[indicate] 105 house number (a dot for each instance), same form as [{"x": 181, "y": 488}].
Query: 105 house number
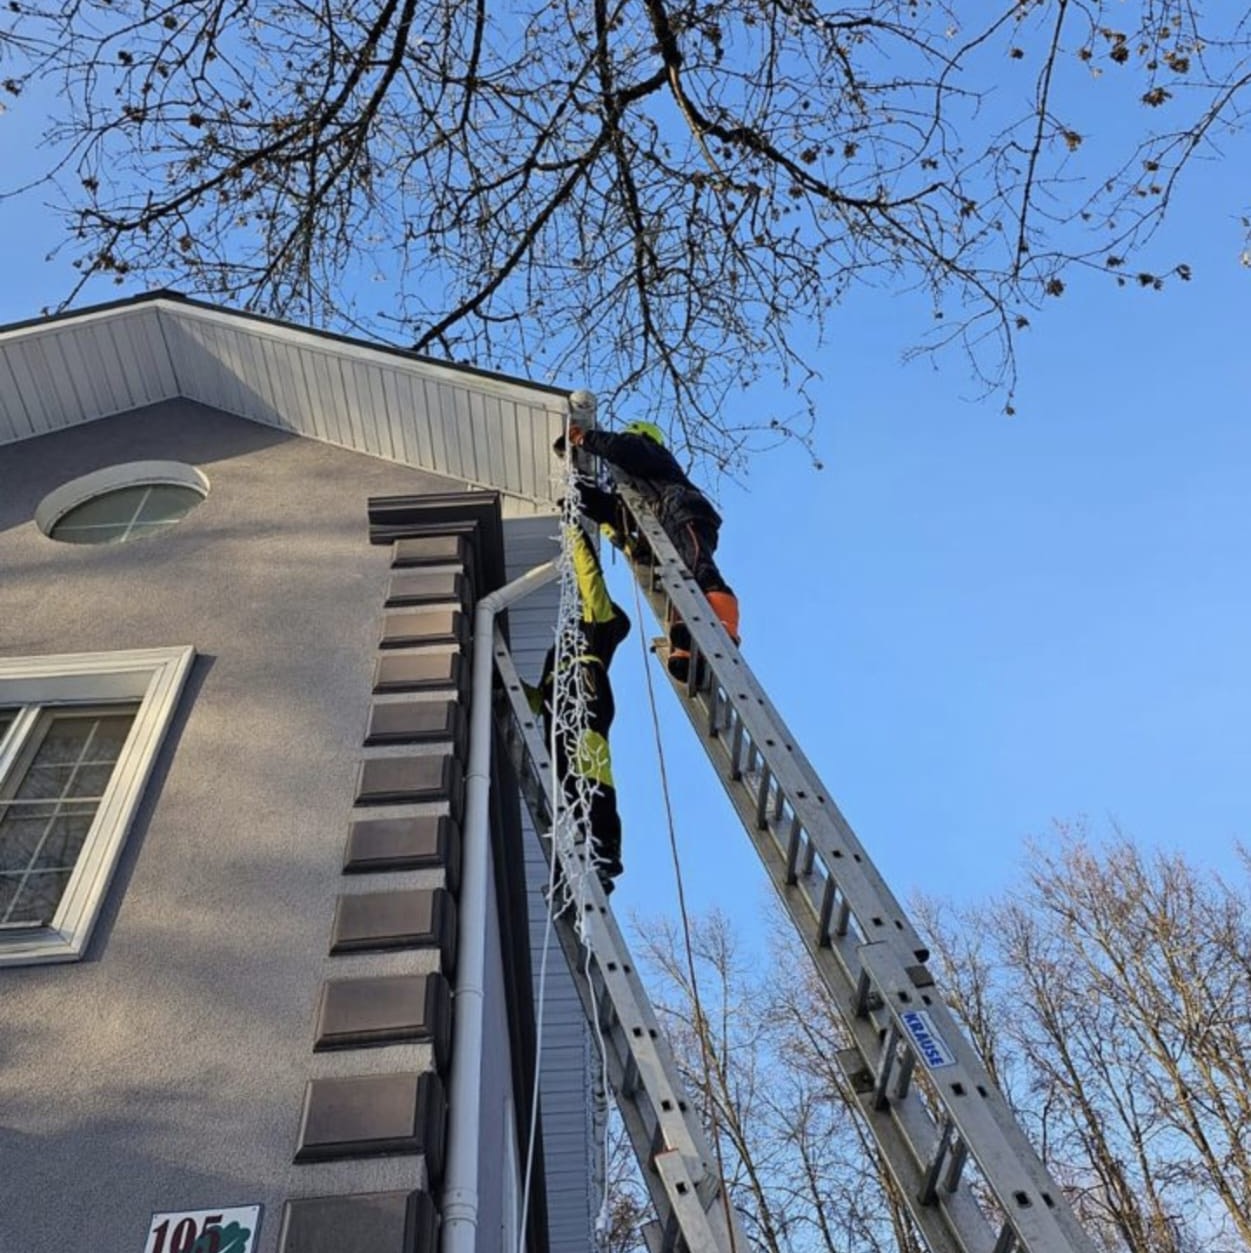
[{"x": 204, "y": 1231}]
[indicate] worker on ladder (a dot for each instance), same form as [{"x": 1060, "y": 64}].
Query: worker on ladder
[
  {"x": 583, "y": 762},
  {"x": 638, "y": 452}
]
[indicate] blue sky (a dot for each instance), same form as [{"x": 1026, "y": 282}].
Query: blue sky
[{"x": 974, "y": 624}]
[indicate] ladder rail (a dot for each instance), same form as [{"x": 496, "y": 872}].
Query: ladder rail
[
  {"x": 769, "y": 740},
  {"x": 866, "y": 951},
  {"x": 662, "y": 1123}
]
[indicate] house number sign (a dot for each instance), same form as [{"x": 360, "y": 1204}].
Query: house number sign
[{"x": 222, "y": 1230}]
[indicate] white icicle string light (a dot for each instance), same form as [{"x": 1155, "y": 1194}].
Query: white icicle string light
[
  {"x": 573, "y": 797},
  {"x": 571, "y": 820}
]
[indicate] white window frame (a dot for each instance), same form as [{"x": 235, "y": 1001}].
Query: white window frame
[
  {"x": 87, "y": 487},
  {"x": 152, "y": 676}
]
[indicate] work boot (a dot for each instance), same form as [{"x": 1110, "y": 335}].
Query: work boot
[
  {"x": 608, "y": 871},
  {"x": 725, "y": 606},
  {"x": 679, "y": 633},
  {"x": 679, "y": 667},
  {"x": 679, "y": 663}
]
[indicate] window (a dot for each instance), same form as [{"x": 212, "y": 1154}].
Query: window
[
  {"x": 79, "y": 734},
  {"x": 125, "y": 514},
  {"x": 48, "y": 802},
  {"x": 122, "y": 503}
]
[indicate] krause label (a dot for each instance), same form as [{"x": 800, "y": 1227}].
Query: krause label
[{"x": 932, "y": 1047}]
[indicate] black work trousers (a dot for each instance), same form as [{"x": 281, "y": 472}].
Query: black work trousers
[{"x": 696, "y": 541}]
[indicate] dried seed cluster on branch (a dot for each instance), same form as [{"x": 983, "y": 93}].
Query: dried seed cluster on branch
[{"x": 659, "y": 199}]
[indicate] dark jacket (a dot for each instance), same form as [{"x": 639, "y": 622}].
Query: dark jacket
[{"x": 652, "y": 469}]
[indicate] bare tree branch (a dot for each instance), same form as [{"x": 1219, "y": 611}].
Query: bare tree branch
[{"x": 660, "y": 199}]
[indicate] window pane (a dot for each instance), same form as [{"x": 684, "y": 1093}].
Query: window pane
[
  {"x": 90, "y": 781},
  {"x": 32, "y": 898},
  {"x": 7, "y": 717},
  {"x": 91, "y": 534},
  {"x": 63, "y": 841},
  {"x": 73, "y": 737},
  {"x": 44, "y": 825},
  {"x": 63, "y": 739},
  {"x": 110, "y": 734},
  {"x": 137, "y": 529},
  {"x": 45, "y": 783},
  {"x": 126, "y": 513},
  {"x": 117, "y": 507},
  {"x": 42, "y": 837},
  {"x": 21, "y": 830},
  {"x": 167, "y": 502}
]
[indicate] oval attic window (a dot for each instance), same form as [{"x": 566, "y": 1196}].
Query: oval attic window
[{"x": 121, "y": 503}]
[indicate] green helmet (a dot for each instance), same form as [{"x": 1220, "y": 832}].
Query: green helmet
[{"x": 650, "y": 429}]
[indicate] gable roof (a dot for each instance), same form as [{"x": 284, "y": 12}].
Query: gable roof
[{"x": 484, "y": 429}]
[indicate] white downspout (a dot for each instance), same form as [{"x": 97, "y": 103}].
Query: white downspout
[{"x": 460, "y": 1185}]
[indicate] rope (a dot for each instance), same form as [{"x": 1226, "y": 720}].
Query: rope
[{"x": 701, "y": 1024}]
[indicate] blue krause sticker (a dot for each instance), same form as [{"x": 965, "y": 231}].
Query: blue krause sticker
[{"x": 932, "y": 1047}]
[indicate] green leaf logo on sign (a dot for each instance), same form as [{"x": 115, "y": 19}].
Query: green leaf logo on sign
[{"x": 231, "y": 1239}]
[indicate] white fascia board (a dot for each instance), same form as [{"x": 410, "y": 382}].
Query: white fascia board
[{"x": 68, "y": 321}]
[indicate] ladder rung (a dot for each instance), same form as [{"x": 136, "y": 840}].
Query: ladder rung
[
  {"x": 713, "y": 706},
  {"x": 810, "y": 855},
  {"x": 844, "y": 918},
  {"x": 652, "y": 1237},
  {"x": 904, "y": 1078},
  {"x": 864, "y": 995},
  {"x": 762, "y": 798},
  {"x": 929, "y": 1189},
  {"x": 736, "y": 747},
  {"x": 792, "y": 850},
  {"x": 827, "y": 908},
  {"x": 1007, "y": 1239},
  {"x": 885, "y": 1065},
  {"x": 693, "y": 668},
  {"x": 629, "y": 1076},
  {"x": 955, "y": 1167}
]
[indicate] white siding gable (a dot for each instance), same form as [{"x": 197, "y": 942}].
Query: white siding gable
[{"x": 482, "y": 430}]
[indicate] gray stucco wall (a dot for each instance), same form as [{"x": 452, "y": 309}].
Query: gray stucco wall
[{"x": 166, "y": 1070}]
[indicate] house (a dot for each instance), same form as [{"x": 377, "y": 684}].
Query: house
[{"x": 238, "y": 563}]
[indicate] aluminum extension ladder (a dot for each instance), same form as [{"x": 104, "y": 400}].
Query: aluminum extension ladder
[
  {"x": 693, "y": 1212},
  {"x": 867, "y": 952}
]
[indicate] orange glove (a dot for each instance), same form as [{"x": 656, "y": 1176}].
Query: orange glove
[{"x": 575, "y": 434}]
